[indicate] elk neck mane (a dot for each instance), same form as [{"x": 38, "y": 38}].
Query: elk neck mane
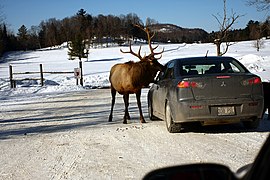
[{"x": 143, "y": 73}]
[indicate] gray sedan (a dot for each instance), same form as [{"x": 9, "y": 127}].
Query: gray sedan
[{"x": 209, "y": 90}]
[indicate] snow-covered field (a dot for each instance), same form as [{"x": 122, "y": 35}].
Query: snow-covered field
[
  {"x": 96, "y": 68},
  {"x": 60, "y": 131}
]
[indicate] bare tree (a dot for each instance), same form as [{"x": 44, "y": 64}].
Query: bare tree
[
  {"x": 225, "y": 24},
  {"x": 2, "y": 16},
  {"x": 260, "y": 4},
  {"x": 259, "y": 44},
  {"x": 33, "y": 33},
  {"x": 149, "y": 21}
]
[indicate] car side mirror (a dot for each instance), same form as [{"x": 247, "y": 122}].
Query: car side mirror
[
  {"x": 159, "y": 76},
  {"x": 192, "y": 172}
]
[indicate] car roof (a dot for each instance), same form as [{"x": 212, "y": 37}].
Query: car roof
[
  {"x": 216, "y": 58},
  {"x": 210, "y": 59}
]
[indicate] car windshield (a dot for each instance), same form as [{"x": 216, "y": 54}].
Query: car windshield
[{"x": 210, "y": 66}]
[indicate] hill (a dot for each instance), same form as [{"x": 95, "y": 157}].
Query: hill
[{"x": 176, "y": 34}]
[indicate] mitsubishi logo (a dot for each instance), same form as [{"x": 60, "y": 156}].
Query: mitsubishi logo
[{"x": 223, "y": 84}]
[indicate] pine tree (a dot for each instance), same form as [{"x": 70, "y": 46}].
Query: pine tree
[
  {"x": 2, "y": 47},
  {"x": 23, "y": 36},
  {"x": 77, "y": 48},
  {"x": 4, "y": 40}
]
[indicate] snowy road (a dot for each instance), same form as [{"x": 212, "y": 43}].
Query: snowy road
[{"x": 67, "y": 136}]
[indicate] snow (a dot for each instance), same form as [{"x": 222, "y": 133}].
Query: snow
[
  {"x": 60, "y": 130},
  {"x": 96, "y": 67}
]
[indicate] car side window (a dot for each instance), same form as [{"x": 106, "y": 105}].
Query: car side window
[
  {"x": 169, "y": 73},
  {"x": 235, "y": 69}
]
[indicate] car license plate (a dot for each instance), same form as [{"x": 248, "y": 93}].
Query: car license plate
[{"x": 226, "y": 111}]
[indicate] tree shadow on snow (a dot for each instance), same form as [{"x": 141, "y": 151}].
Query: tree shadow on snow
[
  {"x": 45, "y": 117},
  {"x": 104, "y": 60}
]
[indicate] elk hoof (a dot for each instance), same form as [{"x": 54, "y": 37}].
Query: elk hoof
[
  {"x": 125, "y": 122},
  {"x": 127, "y": 117},
  {"x": 143, "y": 121},
  {"x": 110, "y": 119}
]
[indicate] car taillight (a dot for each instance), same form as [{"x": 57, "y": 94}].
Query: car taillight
[
  {"x": 183, "y": 84},
  {"x": 251, "y": 81},
  {"x": 188, "y": 84}
]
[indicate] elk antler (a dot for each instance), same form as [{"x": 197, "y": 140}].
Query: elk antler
[
  {"x": 149, "y": 38},
  {"x": 151, "y": 56},
  {"x": 138, "y": 55}
]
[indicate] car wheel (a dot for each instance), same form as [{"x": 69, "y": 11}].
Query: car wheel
[
  {"x": 150, "y": 111},
  {"x": 171, "y": 126},
  {"x": 252, "y": 124}
]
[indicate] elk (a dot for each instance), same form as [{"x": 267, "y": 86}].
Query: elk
[{"x": 130, "y": 77}]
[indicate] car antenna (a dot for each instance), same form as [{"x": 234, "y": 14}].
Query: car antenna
[{"x": 206, "y": 53}]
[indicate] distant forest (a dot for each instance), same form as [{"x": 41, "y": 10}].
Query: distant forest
[{"x": 103, "y": 29}]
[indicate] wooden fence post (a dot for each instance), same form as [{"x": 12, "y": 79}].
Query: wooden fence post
[
  {"x": 41, "y": 75},
  {"x": 12, "y": 84},
  {"x": 13, "y": 79},
  {"x": 81, "y": 79}
]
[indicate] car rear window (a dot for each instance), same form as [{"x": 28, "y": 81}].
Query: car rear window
[{"x": 210, "y": 66}]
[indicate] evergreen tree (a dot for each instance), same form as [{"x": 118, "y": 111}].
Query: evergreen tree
[
  {"x": 83, "y": 22},
  {"x": 4, "y": 40},
  {"x": 77, "y": 48},
  {"x": 1, "y": 43},
  {"x": 41, "y": 35},
  {"x": 23, "y": 37}
]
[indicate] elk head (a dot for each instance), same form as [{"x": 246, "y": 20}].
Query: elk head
[{"x": 151, "y": 59}]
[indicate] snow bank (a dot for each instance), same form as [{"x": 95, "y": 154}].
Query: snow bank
[
  {"x": 253, "y": 62},
  {"x": 96, "y": 68}
]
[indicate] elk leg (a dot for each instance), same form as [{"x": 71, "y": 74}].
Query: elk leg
[
  {"x": 264, "y": 111},
  {"x": 126, "y": 101},
  {"x": 138, "y": 96},
  {"x": 268, "y": 117},
  {"x": 127, "y": 114},
  {"x": 113, "y": 92}
]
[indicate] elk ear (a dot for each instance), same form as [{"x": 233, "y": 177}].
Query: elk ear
[{"x": 151, "y": 63}]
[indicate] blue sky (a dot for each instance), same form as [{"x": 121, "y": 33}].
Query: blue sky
[{"x": 184, "y": 13}]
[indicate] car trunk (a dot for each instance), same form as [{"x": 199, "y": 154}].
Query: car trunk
[{"x": 219, "y": 87}]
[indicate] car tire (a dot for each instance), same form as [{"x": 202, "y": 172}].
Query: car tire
[
  {"x": 253, "y": 124},
  {"x": 171, "y": 126},
  {"x": 150, "y": 111}
]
